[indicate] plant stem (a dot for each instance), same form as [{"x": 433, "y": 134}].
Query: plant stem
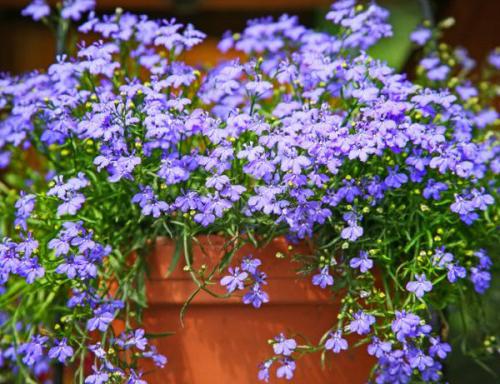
[{"x": 61, "y": 36}]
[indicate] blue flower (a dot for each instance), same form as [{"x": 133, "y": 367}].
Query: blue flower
[
  {"x": 287, "y": 369},
  {"x": 323, "y": 278},
  {"x": 263, "y": 373},
  {"x": 284, "y": 346},
  {"x": 362, "y": 262},
  {"x": 250, "y": 264},
  {"x": 100, "y": 321},
  {"x": 352, "y": 232},
  {"x": 361, "y": 323},
  {"x": 37, "y": 9},
  {"x": 336, "y": 343},
  {"x": 421, "y": 35},
  {"x": 256, "y": 296},
  {"x": 61, "y": 350},
  {"x": 420, "y": 286},
  {"x": 236, "y": 280},
  {"x": 379, "y": 348}
]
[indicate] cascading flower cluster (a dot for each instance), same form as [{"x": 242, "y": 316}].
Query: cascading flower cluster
[{"x": 308, "y": 136}]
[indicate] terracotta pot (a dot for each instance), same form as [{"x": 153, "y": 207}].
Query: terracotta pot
[{"x": 223, "y": 340}]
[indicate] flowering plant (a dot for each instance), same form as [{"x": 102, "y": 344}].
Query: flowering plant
[{"x": 306, "y": 136}]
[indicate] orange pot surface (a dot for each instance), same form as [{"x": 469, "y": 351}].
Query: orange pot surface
[{"x": 223, "y": 340}]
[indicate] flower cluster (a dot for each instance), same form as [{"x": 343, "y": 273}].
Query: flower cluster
[
  {"x": 248, "y": 271},
  {"x": 394, "y": 181}
]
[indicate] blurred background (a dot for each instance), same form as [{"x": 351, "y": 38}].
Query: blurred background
[{"x": 26, "y": 45}]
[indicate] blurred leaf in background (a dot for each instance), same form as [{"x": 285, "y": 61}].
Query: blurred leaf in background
[{"x": 405, "y": 15}]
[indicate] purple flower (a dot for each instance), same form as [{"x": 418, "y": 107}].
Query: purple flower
[
  {"x": 352, "y": 232},
  {"x": 439, "y": 348},
  {"x": 263, "y": 374},
  {"x": 481, "y": 279},
  {"x": 284, "y": 346},
  {"x": 335, "y": 342},
  {"x": 256, "y": 296},
  {"x": 24, "y": 206},
  {"x": 73, "y": 9},
  {"x": 60, "y": 246},
  {"x": 71, "y": 205},
  {"x": 481, "y": 200},
  {"x": 30, "y": 269},
  {"x": 395, "y": 179},
  {"x": 32, "y": 351},
  {"x": 421, "y": 35},
  {"x": 37, "y": 9},
  {"x": 135, "y": 378},
  {"x": 420, "y": 286},
  {"x": 362, "y": 262},
  {"x": 379, "y": 348},
  {"x": 361, "y": 323},
  {"x": 434, "y": 189},
  {"x": 100, "y": 321},
  {"x": 405, "y": 324},
  {"x": 418, "y": 359},
  {"x": 133, "y": 339},
  {"x": 158, "y": 359},
  {"x": 287, "y": 369},
  {"x": 97, "y": 377},
  {"x": 441, "y": 258},
  {"x": 61, "y": 350},
  {"x": 323, "y": 278},
  {"x": 236, "y": 280},
  {"x": 455, "y": 272},
  {"x": 494, "y": 58},
  {"x": 250, "y": 264}
]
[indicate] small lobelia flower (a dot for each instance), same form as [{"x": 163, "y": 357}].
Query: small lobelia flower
[
  {"x": 158, "y": 359},
  {"x": 434, "y": 189},
  {"x": 362, "y": 262},
  {"x": 287, "y": 368},
  {"x": 421, "y": 35},
  {"x": 335, "y": 342},
  {"x": 30, "y": 269},
  {"x": 250, "y": 264},
  {"x": 441, "y": 258},
  {"x": 323, "y": 278},
  {"x": 438, "y": 348},
  {"x": 32, "y": 351},
  {"x": 352, "y": 232},
  {"x": 135, "y": 378},
  {"x": 418, "y": 359},
  {"x": 284, "y": 346},
  {"x": 361, "y": 323},
  {"x": 420, "y": 286},
  {"x": 61, "y": 350},
  {"x": 24, "y": 206},
  {"x": 256, "y": 296},
  {"x": 455, "y": 272},
  {"x": 405, "y": 324},
  {"x": 100, "y": 321},
  {"x": 98, "y": 376},
  {"x": 236, "y": 279},
  {"x": 37, "y": 9},
  {"x": 133, "y": 339},
  {"x": 494, "y": 58},
  {"x": 263, "y": 373},
  {"x": 481, "y": 279},
  {"x": 379, "y": 348},
  {"x": 73, "y": 9},
  {"x": 395, "y": 179}
]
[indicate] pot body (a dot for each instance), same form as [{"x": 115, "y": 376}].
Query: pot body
[{"x": 222, "y": 341}]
